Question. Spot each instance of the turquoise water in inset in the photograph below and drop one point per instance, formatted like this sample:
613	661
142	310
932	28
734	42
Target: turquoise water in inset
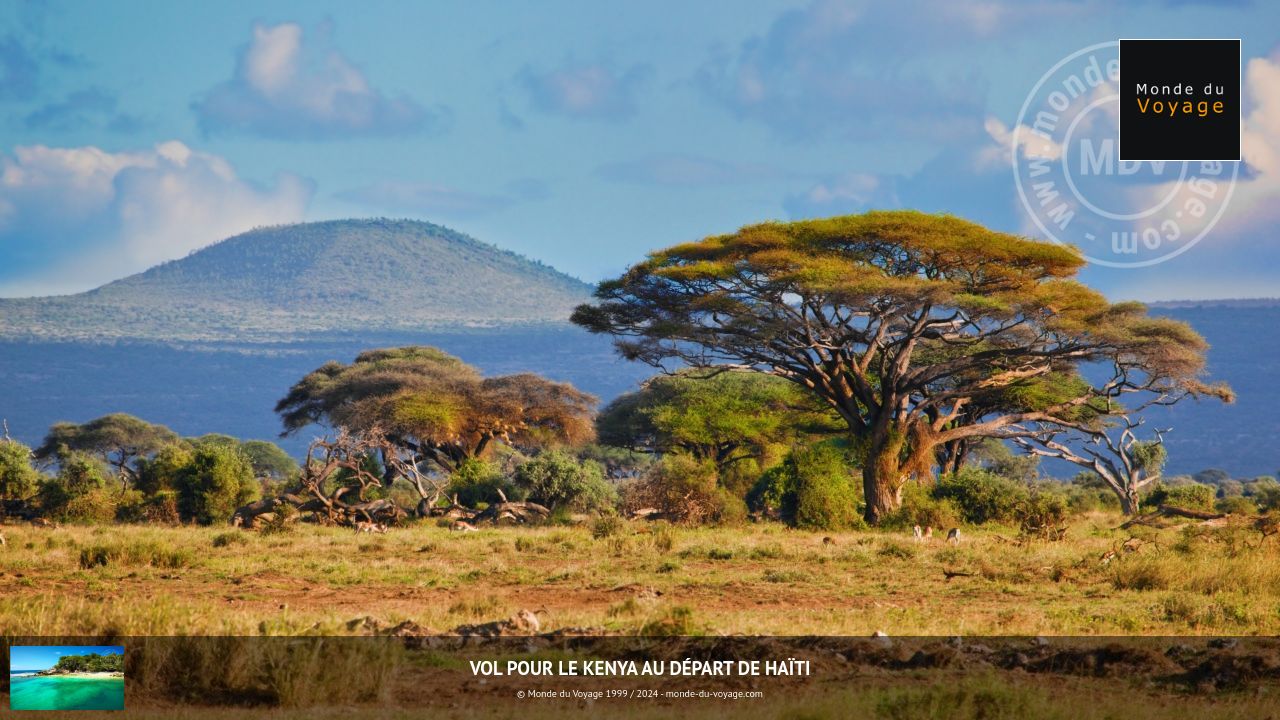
66	693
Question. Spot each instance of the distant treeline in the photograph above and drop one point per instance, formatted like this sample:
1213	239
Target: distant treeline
93	662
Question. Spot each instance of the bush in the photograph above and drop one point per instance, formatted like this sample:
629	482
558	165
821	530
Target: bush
826	498
162	508
678	487
920	507
1082	499
981	496
739	477
1042	514
476	481
93	507
160	473
135	552
607	526
18	480
218	480
129	506
227	539
557	479
1236	505
1266	495
1192	496
729	508
78	493
813	488
774	494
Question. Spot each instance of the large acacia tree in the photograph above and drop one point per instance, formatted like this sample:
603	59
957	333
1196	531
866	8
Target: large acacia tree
119	439
919	330
435	410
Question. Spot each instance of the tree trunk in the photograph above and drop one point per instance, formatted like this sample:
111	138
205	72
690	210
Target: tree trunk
1129	501
882	476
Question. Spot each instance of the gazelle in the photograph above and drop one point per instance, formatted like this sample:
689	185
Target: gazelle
368	527
953	536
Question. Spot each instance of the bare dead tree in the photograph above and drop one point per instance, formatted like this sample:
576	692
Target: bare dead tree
1124	462
347	453
416	469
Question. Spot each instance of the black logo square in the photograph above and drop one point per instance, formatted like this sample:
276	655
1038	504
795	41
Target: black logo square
1179	99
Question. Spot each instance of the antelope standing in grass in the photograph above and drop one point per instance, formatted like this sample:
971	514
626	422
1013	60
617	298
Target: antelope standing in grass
953	536
368	527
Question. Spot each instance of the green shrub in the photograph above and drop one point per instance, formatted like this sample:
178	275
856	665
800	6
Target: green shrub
774	494
728	508
1236	505
814	488
218	480
557	479
79	492
93	507
227	539
130	506
1042	514
920	507
476	481
160	473
739	477
981	496
896	550
1192	496
1086	499
607	526
1266	495
137	552
18	480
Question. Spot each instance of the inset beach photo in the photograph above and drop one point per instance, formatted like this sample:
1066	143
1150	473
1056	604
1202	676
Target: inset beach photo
66	677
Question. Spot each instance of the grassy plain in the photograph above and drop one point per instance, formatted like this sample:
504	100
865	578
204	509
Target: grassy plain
642	578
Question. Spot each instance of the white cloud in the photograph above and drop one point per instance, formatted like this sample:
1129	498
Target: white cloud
842	68
74	218
285	87
586	90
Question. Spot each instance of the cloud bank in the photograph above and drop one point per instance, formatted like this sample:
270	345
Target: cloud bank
592	91
74	218
288	87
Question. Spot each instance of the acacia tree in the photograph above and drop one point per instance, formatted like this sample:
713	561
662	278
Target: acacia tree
119	439
435	410
902	322
724	418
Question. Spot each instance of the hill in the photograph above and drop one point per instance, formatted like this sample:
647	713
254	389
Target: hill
291	281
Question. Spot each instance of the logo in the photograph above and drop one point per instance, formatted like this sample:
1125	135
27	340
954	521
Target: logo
1180	100
1077	189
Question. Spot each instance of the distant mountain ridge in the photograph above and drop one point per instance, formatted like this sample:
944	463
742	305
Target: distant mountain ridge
1218	303
293	280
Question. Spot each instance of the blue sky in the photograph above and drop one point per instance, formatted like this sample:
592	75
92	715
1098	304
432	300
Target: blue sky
579	133
43	657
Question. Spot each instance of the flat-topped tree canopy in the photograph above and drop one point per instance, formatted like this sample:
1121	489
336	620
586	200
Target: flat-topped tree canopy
919	330
435	405
118	438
